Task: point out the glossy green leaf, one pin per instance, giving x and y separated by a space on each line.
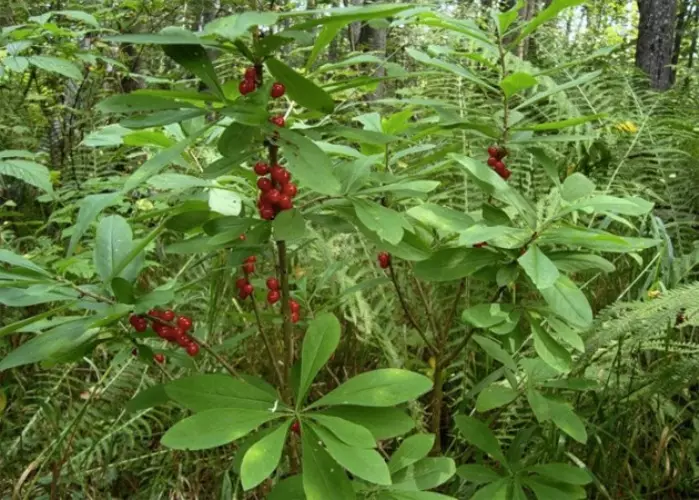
213 428
566 333
426 474
567 301
442 218
553 353
161 118
494 491
28 171
479 435
479 233
539 405
321 339
364 463
383 423
576 186
386 223
461 71
147 398
605 203
549 13
195 59
290 488
55 342
135 102
564 473
208 391
170 35
309 164
594 240
323 478
384 387
185 221
486 315
57 65
171 181
15 260
348 432
477 473
324 38
546 489
539 267
113 242
517 82
238 25
263 457
494 350
452 264
123 291
299 88
495 396
35 294
235 140
567 420
411 450
573 262
557 125
289 225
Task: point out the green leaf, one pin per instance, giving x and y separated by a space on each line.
568 302
557 125
426 474
594 240
516 82
123 291
289 225
566 333
574 262
441 218
167 36
216 427
113 242
79 15
195 59
494 350
384 387
263 457
57 65
321 339
386 223
479 233
452 68
55 342
576 186
391 494
553 353
147 398
452 264
544 16
494 491
495 396
28 171
346 431
613 204
324 38
563 473
322 477
566 420
383 423
135 102
351 14
477 473
235 140
15 260
170 181
236 26
539 405
309 164
299 88
539 267
546 489
577 82
161 118
290 488
364 463
225 202
210 391
411 450
480 436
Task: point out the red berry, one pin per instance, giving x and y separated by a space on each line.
252 258
183 340
134 320
154 313
261 168
492 161
505 174
246 86
250 73
481 244
289 189
499 166
296 427
384 260
264 184
294 306
184 322
295 317
246 291
277 90
493 151
285 202
158 327
241 282
273 296
267 213
272 283
192 349
167 333
278 120
142 325
159 358
272 196
249 268
276 173
168 315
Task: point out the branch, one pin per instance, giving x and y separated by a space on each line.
268 344
408 314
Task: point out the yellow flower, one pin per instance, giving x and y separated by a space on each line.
627 126
144 205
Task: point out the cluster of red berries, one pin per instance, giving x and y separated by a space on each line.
243 285
168 326
384 260
496 154
276 191
249 84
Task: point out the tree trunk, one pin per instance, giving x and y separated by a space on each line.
654 46
368 38
527 47
682 18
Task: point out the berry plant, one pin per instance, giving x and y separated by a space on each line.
292 169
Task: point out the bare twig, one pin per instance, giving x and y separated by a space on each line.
408 314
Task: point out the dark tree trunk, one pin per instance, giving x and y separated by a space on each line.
368 38
656 36
682 19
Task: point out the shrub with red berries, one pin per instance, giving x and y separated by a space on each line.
495 156
168 326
